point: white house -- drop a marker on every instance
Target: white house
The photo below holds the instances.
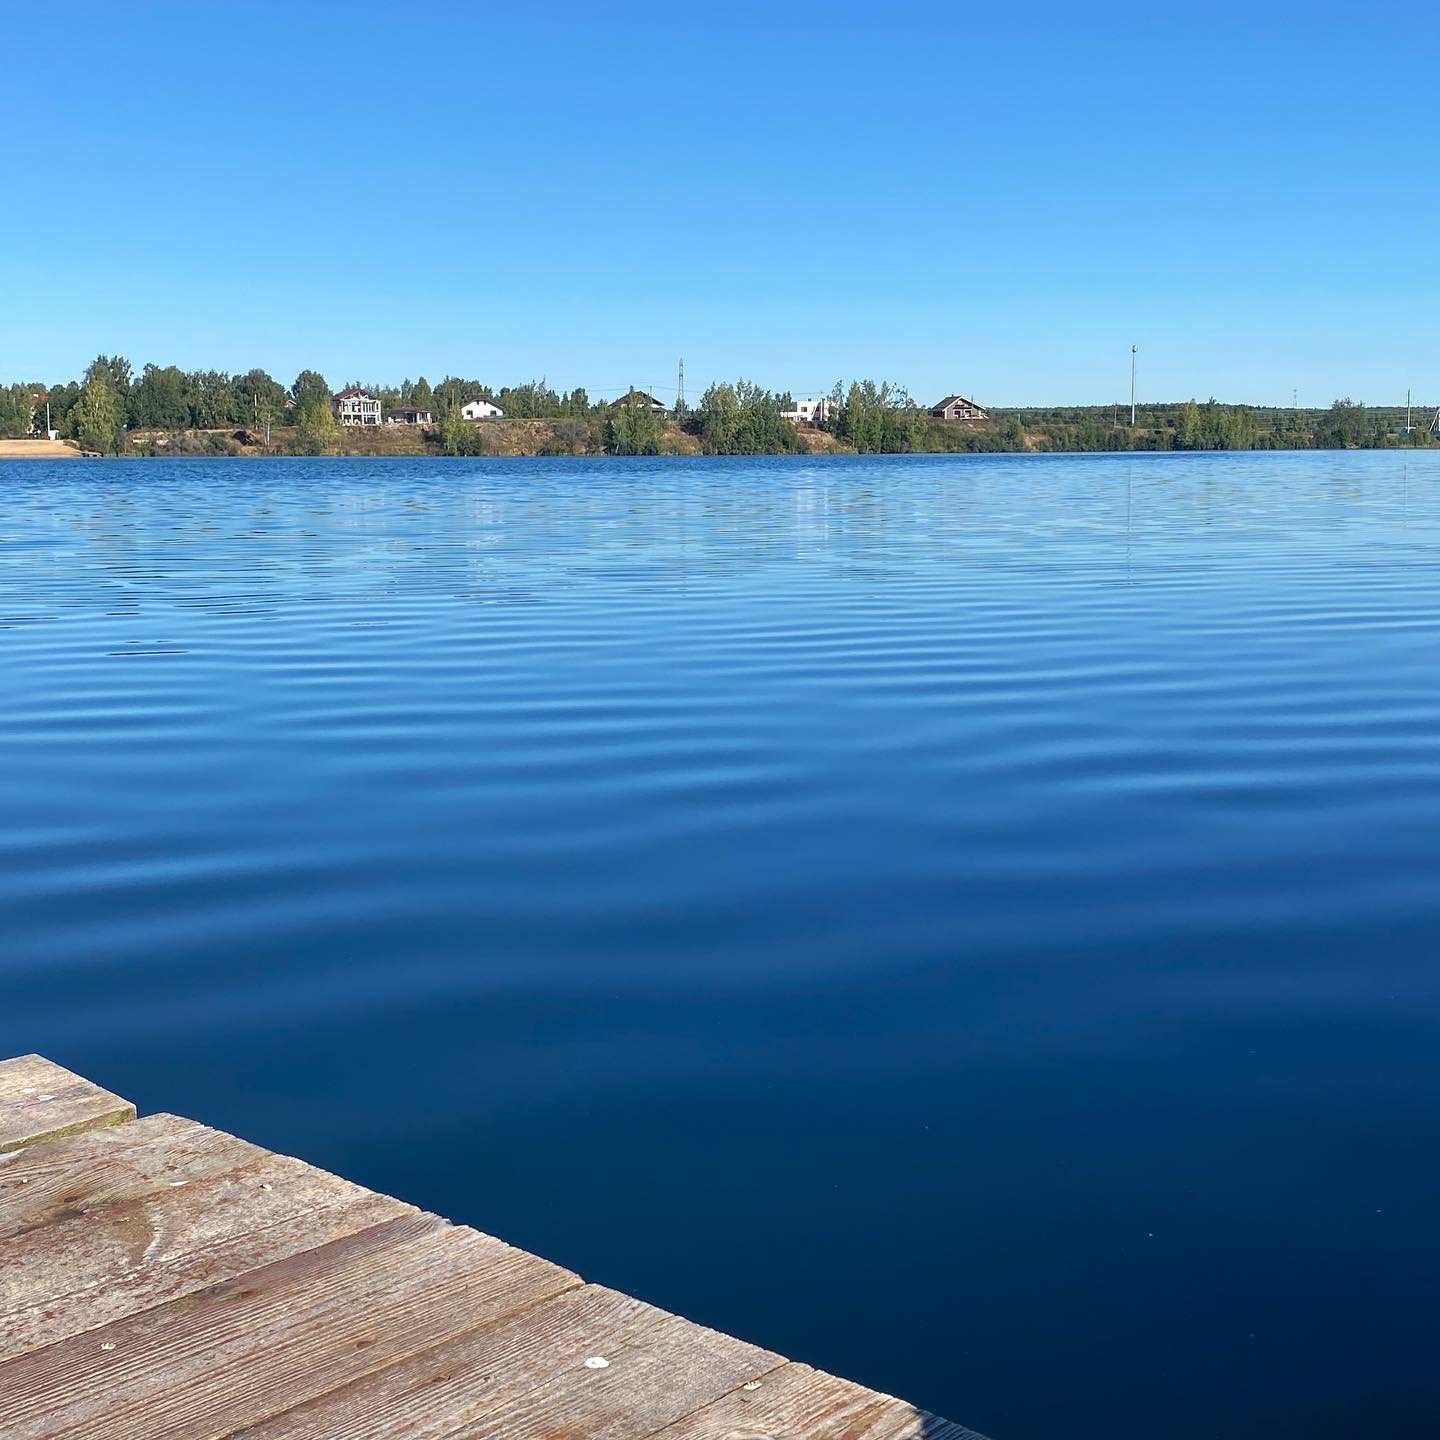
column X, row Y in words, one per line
column 478, row 409
column 808, row 412
column 353, row 406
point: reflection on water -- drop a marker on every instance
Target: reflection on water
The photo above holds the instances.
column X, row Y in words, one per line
column 966, row 922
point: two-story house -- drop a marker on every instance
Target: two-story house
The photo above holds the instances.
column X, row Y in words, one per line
column 808, row 412
column 353, row 406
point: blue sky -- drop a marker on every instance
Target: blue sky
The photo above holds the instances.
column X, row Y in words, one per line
column 996, row 200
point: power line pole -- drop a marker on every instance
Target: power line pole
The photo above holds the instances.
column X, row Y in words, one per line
column 680, row 387
column 1132, row 387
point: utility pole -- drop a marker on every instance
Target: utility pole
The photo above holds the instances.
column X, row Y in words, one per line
column 1132, row 387
column 1407, row 411
column 680, row 387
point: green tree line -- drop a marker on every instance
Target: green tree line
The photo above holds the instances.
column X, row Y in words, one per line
column 110, row 401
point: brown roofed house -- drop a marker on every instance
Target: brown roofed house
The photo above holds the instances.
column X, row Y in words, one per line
column 957, row 407
column 638, row 397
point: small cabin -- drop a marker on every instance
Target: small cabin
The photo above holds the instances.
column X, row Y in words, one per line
column 957, row 407
column 410, row 415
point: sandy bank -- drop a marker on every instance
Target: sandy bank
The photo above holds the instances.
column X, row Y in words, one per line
column 37, row 450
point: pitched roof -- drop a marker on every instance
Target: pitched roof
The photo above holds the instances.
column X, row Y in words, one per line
column 354, row 392
column 955, row 400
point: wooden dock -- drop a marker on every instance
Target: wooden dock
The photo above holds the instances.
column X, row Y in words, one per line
column 160, row 1280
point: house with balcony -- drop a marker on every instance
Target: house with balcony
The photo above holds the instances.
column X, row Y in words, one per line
column 353, row 406
column 957, row 407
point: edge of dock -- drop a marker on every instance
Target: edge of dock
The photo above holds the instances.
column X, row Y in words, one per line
column 160, row 1279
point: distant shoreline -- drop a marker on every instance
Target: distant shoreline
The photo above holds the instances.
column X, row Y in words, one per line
column 1179, row 429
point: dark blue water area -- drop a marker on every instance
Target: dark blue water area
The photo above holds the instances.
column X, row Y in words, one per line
column 968, row 923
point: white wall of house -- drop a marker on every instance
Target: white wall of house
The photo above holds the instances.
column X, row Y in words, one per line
column 482, row 410
column 812, row 412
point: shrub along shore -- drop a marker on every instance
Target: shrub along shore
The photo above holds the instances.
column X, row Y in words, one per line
column 168, row 411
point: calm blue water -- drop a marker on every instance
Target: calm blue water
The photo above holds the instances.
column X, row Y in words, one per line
column 970, row 923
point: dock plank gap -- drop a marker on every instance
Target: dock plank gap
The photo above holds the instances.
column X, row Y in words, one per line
column 160, row 1280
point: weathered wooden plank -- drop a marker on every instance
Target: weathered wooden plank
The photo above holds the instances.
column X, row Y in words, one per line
column 40, row 1100
column 654, row 1376
column 443, row 1385
column 792, row 1400
column 129, row 1255
column 527, row 1376
column 208, row 1364
column 45, row 1183
column 797, row 1401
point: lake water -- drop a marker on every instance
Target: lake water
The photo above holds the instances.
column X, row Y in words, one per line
column 970, row 923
